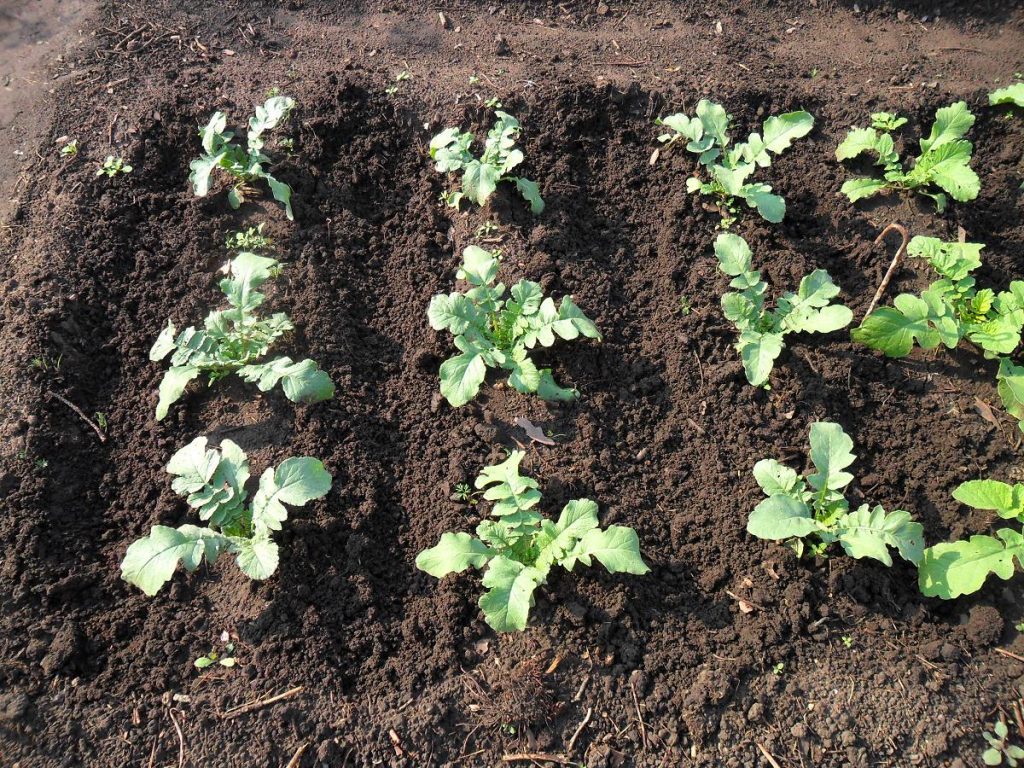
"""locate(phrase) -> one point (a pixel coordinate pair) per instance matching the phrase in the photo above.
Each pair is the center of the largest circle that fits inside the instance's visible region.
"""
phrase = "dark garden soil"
(730, 652)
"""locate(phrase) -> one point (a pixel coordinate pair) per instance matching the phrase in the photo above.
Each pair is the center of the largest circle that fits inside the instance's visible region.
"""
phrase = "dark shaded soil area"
(396, 668)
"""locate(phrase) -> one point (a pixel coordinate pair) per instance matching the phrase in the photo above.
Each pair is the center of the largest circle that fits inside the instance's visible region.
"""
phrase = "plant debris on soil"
(731, 652)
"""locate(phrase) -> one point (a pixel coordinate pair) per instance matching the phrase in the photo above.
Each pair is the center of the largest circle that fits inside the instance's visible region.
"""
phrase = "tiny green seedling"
(847, 641)
(778, 669)
(492, 331)
(112, 166)
(951, 569)
(101, 420)
(464, 493)
(761, 330)
(244, 166)
(224, 658)
(481, 176)
(999, 747)
(1019, 626)
(213, 482)
(729, 169)
(47, 363)
(486, 229)
(251, 239)
(401, 77)
(944, 161)
(233, 340)
(70, 149)
(685, 307)
(811, 513)
(517, 547)
(493, 103)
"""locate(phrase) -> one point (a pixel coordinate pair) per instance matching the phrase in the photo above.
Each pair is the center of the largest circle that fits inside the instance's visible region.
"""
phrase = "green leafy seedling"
(847, 641)
(944, 161)
(492, 331)
(70, 149)
(224, 658)
(233, 341)
(464, 493)
(999, 747)
(951, 569)
(213, 483)
(517, 547)
(112, 166)
(243, 166)
(729, 169)
(761, 330)
(251, 239)
(811, 513)
(451, 153)
(778, 668)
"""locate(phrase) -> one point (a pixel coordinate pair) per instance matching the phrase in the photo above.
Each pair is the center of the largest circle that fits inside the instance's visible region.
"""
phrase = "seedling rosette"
(450, 151)
(811, 513)
(762, 330)
(729, 169)
(517, 547)
(234, 340)
(213, 482)
(492, 331)
(944, 161)
(244, 166)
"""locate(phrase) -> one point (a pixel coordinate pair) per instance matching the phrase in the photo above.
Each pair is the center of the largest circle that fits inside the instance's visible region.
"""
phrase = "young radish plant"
(761, 330)
(492, 331)
(951, 569)
(811, 513)
(233, 341)
(244, 166)
(729, 169)
(213, 482)
(517, 547)
(944, 161)
(481, 175)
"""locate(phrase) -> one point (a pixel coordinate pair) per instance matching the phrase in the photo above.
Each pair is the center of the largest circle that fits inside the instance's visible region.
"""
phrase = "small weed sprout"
(516, 547)
(811, 513)
(944, 161)
(112, 166)
(213, 482)
(464, 493)
(451, 153)
(101, 420)
(728, 168)
(70, 149)
(251, 239)
(224, 658)
(492, 331)
(847, 641)
(233, 341)
(779, 668)
(244, 166)
(999, 747)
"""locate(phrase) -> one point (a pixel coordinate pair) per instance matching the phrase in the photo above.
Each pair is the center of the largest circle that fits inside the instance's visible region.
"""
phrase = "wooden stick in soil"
(81, 414)
(1010, 654)
(254, 705)
(892, 266)
(579, 730)
(768, 756)
(639, 717)
(522, 757)
(181, 739)
(294, 762)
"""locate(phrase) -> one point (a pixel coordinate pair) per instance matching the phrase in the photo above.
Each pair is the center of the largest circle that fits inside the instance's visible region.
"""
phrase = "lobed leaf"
(870, 532)
(951, 123)
(150, 562)
(454, 553)
(894, 330)
(1011, 94)
(461, 377)
(295, 481)
(781, 517)
(781, 130)
(509, 597)
(951, 569)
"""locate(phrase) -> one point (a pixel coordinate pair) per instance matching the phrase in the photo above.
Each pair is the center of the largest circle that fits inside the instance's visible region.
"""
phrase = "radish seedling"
(251, 239)
(706, 136)
(518, 547)
(213, 483)
(481, 176)
(112, 166)
(245, 166)
(999, 746)
(951, 309)
(494, 332)
(762, 330)
(811, 512)
(955, 568)
(70, 149)
(233, 340)
(944, 161)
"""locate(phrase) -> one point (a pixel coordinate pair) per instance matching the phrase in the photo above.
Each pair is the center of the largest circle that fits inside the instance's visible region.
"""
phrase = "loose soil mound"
(730, 648)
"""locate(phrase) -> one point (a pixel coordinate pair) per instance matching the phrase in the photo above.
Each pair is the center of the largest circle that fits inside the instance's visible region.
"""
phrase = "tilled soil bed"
(731, 651)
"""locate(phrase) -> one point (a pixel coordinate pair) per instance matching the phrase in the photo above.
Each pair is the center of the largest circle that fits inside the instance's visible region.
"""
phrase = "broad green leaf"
(951, 260)
(1006, 500)
(269, 115)
(524, 376)
(781, 517)
(302, 382)
(689, 128)
(857, 141)
(548, 389)
(443, 139)
(201, 170)
(732, 179)
(771, 207)
(1010, 385)
(616, 547)
(479, 181)
(149, 563)
(210, 133)
(951, 569)
(893, 331)
(479, 267)
(454, 553)
(506, 603)
(247, 272)
(715, 120)
(858, 189)
(283, 194)
(296, 481)
(1011, 94)
(948, 166)
(530, 191)
(257, 558)
(528, 295)
(775, 478)
(759, 352)
(870, 532)
(164, 344)
(734, 255)
(572, 322)
(830, 453)
(951, 123)
(577, 518)
(172, 386)
(461, 377)
(781, 130)
(453, 312)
